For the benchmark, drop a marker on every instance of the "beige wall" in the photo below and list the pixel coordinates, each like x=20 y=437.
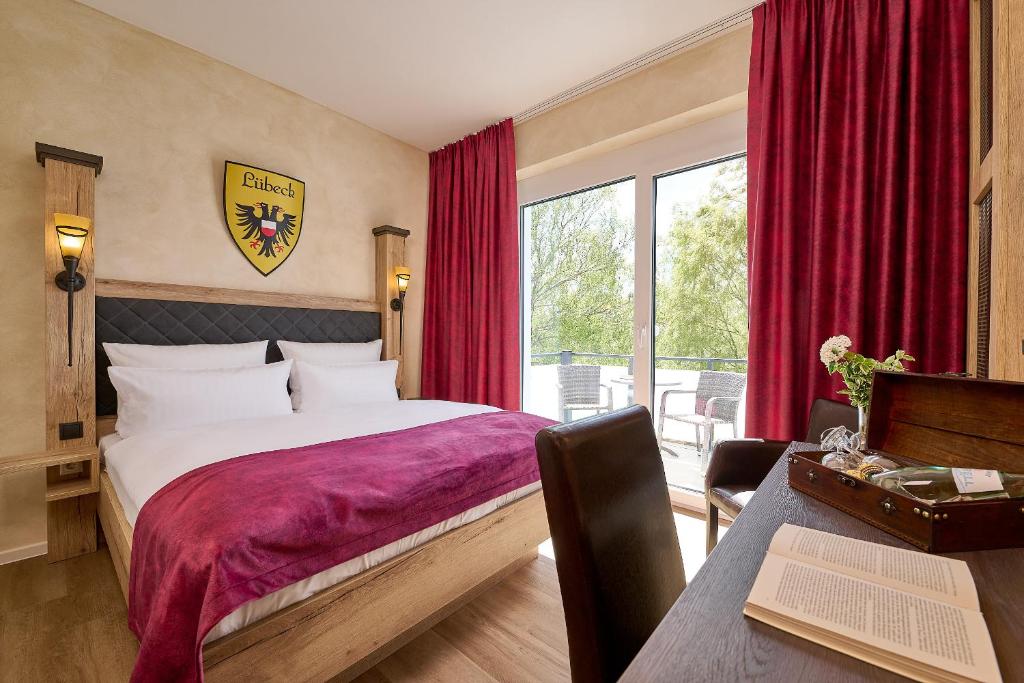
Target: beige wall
x=165 y=118
x=704 y=82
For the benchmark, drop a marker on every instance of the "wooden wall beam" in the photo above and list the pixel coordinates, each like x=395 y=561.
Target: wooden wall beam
x=71 y=527
x=390 y=248
x=70 y=187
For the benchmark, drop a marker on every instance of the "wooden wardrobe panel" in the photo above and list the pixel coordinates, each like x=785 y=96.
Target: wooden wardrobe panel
x=1007 y=346
x=997 y=190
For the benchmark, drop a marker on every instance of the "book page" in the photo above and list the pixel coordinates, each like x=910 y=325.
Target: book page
x=929 y=576
x=933 y=634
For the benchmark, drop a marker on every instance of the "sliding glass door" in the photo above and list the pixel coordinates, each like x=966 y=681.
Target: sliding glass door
x=635 y=291
x=700 y=313
x=578 y=279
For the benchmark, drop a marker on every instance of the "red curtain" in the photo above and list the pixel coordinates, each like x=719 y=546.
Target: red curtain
x=857 y=193
x=471 y=312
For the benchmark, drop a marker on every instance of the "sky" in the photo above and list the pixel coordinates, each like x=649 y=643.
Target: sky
x=684 y=189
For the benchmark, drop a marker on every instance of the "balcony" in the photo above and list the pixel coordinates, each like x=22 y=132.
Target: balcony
x=684 y=467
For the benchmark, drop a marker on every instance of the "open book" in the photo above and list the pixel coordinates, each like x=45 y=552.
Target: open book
x=906 y=611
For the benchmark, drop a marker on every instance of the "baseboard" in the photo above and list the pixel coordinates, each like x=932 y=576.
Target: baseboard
x=22 y=552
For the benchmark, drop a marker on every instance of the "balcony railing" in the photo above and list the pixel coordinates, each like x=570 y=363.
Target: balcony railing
x=541 y=396
x=567 y=357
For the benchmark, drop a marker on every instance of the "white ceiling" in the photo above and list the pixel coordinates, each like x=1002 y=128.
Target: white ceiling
x=425 y=71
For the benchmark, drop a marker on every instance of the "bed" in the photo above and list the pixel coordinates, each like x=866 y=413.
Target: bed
x=341 y=621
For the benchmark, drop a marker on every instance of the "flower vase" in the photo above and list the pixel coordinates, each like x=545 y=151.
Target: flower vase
x=862 y=425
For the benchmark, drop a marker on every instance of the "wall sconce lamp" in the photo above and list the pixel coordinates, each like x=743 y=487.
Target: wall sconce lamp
x=402 y=276
x=72 y=232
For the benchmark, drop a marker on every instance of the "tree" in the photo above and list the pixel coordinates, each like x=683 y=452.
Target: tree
x=702 y=280
x=581 y=254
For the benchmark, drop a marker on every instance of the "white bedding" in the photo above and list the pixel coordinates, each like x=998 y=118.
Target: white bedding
x=141 y=465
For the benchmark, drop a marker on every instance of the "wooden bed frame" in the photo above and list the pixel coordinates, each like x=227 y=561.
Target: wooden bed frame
x=347 y=628
x=351 y=626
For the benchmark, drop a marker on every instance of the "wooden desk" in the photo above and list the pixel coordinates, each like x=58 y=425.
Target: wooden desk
x=705 y=636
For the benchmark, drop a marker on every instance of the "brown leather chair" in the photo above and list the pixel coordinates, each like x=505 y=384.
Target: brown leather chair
x=738 y=466
x=616 y=548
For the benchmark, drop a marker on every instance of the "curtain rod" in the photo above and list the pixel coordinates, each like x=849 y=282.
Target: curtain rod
x=658 y=54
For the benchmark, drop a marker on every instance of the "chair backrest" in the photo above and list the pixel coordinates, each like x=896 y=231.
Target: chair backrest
x=826 y=414
x=579 y=384
x=616 y=549
x=712 y=384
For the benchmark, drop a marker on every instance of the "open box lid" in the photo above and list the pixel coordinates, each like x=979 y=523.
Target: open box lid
x=948 y=420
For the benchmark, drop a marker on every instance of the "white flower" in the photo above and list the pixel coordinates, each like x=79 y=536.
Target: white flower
x=835 y=348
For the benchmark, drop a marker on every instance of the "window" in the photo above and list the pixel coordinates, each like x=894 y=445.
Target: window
x=578 y=322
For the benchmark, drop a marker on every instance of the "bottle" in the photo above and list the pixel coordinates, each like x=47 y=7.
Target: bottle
x=936 y=485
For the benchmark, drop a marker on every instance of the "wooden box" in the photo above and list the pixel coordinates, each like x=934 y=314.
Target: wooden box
x=932 y=420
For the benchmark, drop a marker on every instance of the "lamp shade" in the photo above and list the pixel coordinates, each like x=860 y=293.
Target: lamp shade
x=71 y=233
x=403 y=276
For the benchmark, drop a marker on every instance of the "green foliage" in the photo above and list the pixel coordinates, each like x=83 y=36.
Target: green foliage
x=701 y=289
x=858 y=371
x=581 y=253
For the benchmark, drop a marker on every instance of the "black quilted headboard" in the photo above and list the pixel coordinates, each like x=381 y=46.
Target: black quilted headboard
x=152 y=321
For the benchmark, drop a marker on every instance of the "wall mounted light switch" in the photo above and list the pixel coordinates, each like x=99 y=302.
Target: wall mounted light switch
x=70 y=430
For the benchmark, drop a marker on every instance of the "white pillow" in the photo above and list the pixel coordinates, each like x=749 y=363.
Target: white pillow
x=193 y=356
x=157 y=399
x=330 y=353
x=332 y=388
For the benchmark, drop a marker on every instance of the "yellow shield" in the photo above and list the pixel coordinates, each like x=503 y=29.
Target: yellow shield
x=263 y=211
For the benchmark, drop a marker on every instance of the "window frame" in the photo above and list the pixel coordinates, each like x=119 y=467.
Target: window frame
x=525 y=300
x=654 y=244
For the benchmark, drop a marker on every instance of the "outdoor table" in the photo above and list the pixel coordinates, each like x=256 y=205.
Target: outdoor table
x=628 y=380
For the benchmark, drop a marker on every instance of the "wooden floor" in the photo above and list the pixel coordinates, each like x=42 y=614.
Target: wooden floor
x=64 y=621
x=514 y=632
x=67 y=622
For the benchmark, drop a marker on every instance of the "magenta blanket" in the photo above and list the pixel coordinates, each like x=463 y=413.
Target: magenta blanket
x=233 y=531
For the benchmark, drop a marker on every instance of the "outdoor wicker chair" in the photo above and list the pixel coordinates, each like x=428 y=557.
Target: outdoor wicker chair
x=580 y=388
x=716 y=402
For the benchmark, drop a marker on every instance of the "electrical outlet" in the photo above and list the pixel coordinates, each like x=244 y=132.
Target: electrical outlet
x=70 y=468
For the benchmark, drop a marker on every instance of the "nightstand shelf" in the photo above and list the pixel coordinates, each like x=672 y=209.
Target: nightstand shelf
x=70 y=497
x=70 y=488
x=34 y=461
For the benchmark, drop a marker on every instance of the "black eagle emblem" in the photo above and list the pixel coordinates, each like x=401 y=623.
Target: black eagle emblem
x=268 y=227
